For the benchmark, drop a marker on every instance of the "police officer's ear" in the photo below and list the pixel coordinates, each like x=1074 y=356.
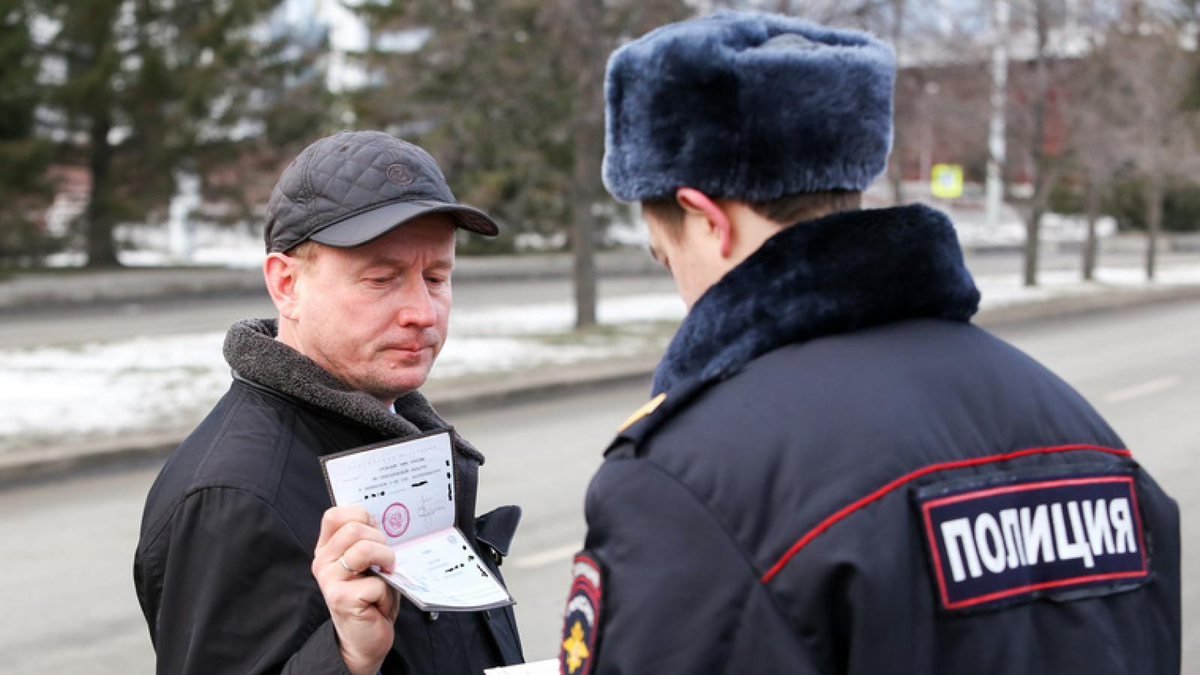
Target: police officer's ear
x=281 y=272
x=698 y=207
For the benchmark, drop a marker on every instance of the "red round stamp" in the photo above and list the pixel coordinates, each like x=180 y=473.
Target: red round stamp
x=395 y=520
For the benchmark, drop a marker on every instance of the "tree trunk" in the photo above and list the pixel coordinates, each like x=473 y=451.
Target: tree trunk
x=896 y=168
x=1092 y=199
x=897 y=177
x=1040 y=182
x=1154 y=198
x=98 y=228
x=588 y=155
x=1030 y=257
x=583 y=231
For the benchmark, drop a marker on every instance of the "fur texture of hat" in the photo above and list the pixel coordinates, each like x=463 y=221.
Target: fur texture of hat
x=747 y=106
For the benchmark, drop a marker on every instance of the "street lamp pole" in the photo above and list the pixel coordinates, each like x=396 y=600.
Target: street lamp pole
x=999 y=98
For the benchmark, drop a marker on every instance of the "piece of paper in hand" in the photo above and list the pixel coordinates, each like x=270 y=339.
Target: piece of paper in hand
x=408 y=486
x=547 y=667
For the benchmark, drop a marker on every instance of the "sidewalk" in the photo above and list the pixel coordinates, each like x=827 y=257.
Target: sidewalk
x=495 y=358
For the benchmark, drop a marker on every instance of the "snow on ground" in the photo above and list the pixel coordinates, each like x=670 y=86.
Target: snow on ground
x=974 y=233
x=1005 y=290
x=233 y=247
x=558 y=317
x=132 y=385
x=57 y=394
x=162 y=383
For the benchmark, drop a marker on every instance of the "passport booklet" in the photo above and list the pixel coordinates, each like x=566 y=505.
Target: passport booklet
x=409 y=487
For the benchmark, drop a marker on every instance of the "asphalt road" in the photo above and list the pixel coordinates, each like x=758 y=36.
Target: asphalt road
x=67 y=545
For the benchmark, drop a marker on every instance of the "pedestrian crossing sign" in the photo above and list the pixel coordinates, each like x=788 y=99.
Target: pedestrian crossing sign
x=947 y=181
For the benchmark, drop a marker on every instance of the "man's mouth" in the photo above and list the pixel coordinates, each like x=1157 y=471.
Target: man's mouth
x=409 y=350
x=413 y=346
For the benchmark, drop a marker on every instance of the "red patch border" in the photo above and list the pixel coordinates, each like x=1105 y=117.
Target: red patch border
x=854 y=507
x=1029 y=588
x=581 y=585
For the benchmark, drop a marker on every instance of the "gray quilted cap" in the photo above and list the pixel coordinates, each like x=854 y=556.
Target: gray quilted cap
x=355 y=186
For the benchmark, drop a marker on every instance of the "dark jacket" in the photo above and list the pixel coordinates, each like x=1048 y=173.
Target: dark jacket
x=222 y=568
x=845 y=476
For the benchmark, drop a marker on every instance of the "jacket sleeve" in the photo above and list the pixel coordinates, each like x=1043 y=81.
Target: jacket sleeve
x=231 y=591
x=678 y=593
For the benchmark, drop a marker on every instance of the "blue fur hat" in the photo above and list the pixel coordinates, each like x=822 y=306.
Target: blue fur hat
x=747 y=106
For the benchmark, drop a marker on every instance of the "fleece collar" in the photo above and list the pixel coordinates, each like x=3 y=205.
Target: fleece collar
x=836 y=274
x=255 y=355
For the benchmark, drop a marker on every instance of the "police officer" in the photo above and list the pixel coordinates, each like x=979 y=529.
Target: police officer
x=838 y=473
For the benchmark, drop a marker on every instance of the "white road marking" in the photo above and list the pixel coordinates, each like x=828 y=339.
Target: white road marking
x=1144 y=389
x=557 y=554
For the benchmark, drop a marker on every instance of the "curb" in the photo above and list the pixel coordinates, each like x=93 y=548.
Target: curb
x=452 y=399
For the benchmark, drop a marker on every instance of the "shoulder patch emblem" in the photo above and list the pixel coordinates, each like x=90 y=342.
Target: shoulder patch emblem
x=582 y=620
x=1065 y=537
x=649 y=407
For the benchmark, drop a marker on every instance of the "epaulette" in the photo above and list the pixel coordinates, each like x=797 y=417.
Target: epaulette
x=651 y=416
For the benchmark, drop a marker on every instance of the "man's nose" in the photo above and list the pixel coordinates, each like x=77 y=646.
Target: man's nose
x=417 y=307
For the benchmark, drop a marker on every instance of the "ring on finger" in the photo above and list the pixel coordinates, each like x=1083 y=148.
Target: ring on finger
x=342 y=560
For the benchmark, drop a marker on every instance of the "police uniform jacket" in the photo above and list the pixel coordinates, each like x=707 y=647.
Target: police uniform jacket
x=223 y=565
x=842 y=475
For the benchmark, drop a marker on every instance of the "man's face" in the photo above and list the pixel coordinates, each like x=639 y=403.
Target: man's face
x=376 y=315
x=693 y=260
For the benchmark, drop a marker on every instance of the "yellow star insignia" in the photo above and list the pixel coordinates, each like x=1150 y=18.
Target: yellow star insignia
x=575 y=648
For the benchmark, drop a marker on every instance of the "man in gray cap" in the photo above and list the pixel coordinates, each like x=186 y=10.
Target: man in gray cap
x=838 y=473
x=360 y=237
